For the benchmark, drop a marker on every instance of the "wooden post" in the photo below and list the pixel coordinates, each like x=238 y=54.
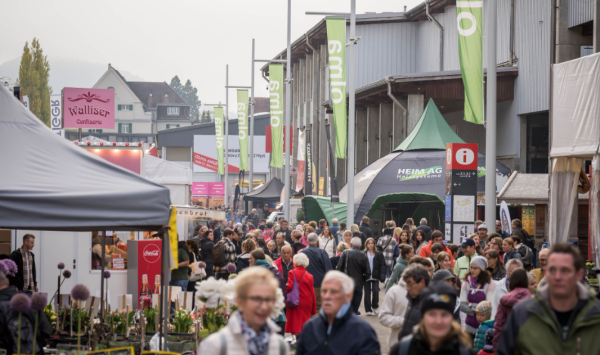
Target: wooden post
x=127 y=322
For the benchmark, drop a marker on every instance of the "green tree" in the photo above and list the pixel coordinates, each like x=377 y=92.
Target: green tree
x=188 y=93
x=205 y=117
x=34 y=74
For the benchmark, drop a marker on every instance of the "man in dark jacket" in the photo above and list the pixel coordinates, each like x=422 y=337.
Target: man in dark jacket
x=365 y=229
x=416 y=278
x=355 y=264
x=6 y=290
x=318 y=264
x=25 y=279
x=336 y=329
x=425 y=228
x=562 y=318
x=283 y=228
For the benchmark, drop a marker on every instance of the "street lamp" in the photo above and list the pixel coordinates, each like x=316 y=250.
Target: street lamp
x=351 y=102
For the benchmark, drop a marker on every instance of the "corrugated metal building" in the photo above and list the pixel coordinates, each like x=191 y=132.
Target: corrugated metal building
x=402 y=44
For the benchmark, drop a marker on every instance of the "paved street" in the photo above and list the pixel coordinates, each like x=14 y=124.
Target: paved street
x=382 y=331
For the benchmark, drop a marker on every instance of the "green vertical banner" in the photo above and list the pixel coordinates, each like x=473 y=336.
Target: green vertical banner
x=336 y=50
x=470 y=51
x=276 y=100
x=219 y=131
x=242 y=103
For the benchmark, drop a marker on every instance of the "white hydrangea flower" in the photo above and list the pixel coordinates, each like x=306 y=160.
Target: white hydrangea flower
x=210 y=290
x=229 y=291
x=279 y=304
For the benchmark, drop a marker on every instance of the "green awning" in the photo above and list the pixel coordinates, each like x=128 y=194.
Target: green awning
x=431 y=132
x=318 y=207
x=381 y=201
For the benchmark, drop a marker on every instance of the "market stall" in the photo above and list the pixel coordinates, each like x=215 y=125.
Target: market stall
x=177 y=178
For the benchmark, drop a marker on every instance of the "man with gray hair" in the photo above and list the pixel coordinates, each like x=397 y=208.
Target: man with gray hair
x=355 y=264
x=329 y=331
x=318 y=264
x=425 y=228
x=335 y=227
x=502 y=285
x=6 y=291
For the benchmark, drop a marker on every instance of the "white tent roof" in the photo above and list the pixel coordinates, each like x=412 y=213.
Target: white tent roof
x=164 y=172
x=576 y=107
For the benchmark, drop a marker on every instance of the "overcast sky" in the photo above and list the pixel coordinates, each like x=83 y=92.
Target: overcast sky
x=159 y=39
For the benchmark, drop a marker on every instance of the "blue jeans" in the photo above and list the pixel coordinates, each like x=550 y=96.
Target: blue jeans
x=181 y=283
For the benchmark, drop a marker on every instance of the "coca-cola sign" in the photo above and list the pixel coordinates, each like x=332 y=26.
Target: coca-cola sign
x=151 y=253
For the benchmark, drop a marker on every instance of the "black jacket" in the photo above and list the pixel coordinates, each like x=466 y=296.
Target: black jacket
x=17 y=280
x=425 y=229
x=362 y=237
x=366 y=230
x=412 y=316
x=206 y=248
x=7 y=293
x=419 y=346
x=318 y=263
x=334 y=260
x=287 y=234
x=357 y=266
x=379 y=266
x=7 y=322
x=349 y=335
x=238 y=246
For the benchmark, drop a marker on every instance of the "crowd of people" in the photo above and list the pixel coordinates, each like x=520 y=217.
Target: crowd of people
x=480 y=297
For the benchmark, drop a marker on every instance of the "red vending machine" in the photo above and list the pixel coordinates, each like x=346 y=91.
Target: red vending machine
x=143 y=270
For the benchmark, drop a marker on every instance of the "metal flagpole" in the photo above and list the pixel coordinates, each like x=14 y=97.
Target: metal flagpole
x=490 y=129
x=226 y=121
x=251 y=149
x=288 y=114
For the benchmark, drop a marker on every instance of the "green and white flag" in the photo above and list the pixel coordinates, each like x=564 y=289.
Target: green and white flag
x=336 y=49
x=276 y=99
x=470 y=51
x=219 y=132
x=242 y=100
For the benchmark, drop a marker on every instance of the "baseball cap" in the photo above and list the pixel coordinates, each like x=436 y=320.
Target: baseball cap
x=482 y=226
x=469 y=242
x=442 y=275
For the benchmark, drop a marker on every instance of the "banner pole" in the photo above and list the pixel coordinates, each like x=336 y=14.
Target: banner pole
x=490 y=129
x=351 y=116
x=251 y=148
x=288 y=114
x=226 y=121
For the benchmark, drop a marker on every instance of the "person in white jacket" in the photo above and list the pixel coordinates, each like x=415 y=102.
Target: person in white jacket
x=250 y=330
x=502 y=285
x=391 y=313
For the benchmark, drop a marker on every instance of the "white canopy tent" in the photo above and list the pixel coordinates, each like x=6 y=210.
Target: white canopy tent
x=177 y=178
x=575 y=135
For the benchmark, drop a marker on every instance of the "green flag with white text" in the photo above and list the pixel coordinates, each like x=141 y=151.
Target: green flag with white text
x=219 y=130
x=242 y=104
x=470 y=51
x=276 y=100
x=336 y=50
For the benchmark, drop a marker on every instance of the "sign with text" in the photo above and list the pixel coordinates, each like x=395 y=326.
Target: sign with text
x=208 y=189
x=56 y=115
x=88 y=108
x=205 y=155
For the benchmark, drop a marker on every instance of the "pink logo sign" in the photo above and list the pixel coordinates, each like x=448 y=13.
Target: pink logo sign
x=151 y=253
x=88 y=108
x=208 y=189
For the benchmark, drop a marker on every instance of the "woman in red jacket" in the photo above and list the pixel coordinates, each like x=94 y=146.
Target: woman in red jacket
x=297 y=316
x=518 y=285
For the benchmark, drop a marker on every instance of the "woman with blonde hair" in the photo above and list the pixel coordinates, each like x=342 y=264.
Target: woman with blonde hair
x=357 y=233
x=437 y=332
x=508 y=247
x=327 y=241
x=250 y=329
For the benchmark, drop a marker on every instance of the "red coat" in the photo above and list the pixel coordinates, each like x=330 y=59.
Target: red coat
x=506 y=304
x=426 y=251
x=297 y=316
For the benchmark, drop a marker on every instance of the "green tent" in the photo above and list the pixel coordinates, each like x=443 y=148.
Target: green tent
x=431 y=132
x=319 y=207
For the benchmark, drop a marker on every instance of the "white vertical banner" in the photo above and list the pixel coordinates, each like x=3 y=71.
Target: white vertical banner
x=26 y=102
x=56 y=114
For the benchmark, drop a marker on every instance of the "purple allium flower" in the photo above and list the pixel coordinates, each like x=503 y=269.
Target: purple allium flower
x=66 y=274
x=11 y=266
x=61 y=266
x=38 y=301
x=231 y=268
x=3 y=268
x=20 y=302
x=80 y=292
x=202 y=264
x=106 y=274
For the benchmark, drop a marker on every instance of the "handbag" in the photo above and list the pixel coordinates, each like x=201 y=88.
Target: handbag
x=198 y=273
x=293 y=297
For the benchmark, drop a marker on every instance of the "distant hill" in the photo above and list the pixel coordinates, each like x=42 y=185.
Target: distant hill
x=67 y=72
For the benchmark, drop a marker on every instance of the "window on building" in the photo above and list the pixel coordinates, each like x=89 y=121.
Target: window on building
x=125 y=128
x=173 y=111
x=94 y=130
x=125 y=107
x=169 y=126
x=110 y=88
x=116 y=249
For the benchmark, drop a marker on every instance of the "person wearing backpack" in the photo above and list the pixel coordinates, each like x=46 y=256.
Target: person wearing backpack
x=525 y=252
x=437 y=332
x=222 y=254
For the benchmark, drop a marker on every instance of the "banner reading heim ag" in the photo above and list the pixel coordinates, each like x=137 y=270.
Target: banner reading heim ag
x=336 y=48
x=276 y=99
x=470 y=51
x=242 y=100
x=219 y=129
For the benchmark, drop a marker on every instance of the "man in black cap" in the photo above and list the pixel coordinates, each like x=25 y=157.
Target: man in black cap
x=462 y=265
